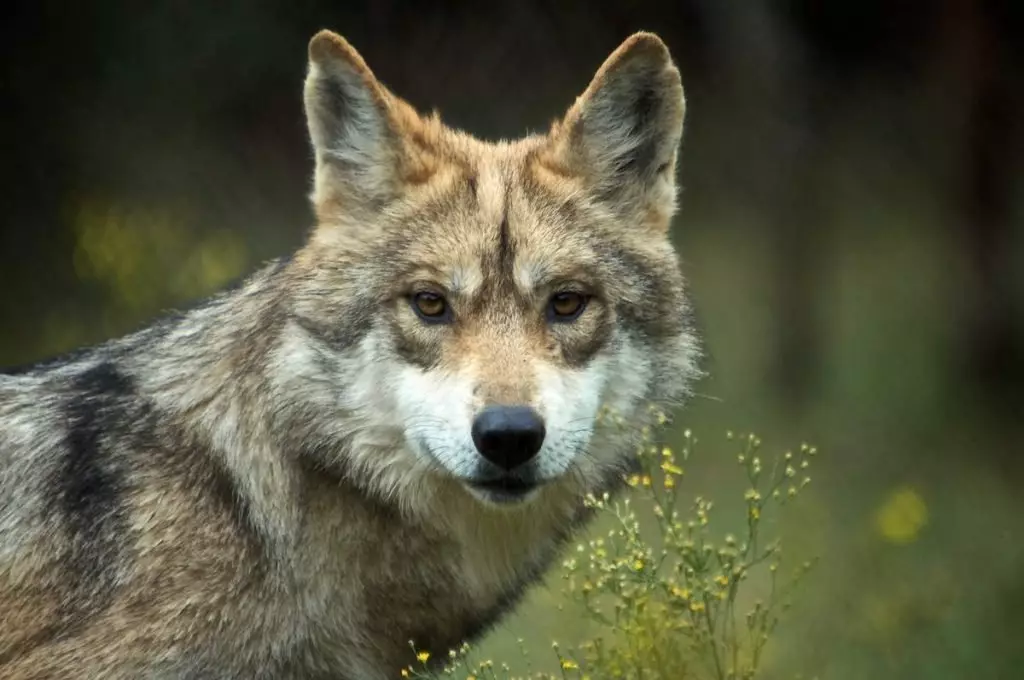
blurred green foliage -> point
(139, 262)
(125, 250)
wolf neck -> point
(205, 371)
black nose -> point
(508, 436)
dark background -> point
(851, 227)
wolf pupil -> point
(430, 306)
(566, 306)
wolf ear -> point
(623, 132)
(357, 127)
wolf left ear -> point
(623, 132)
(359, 132)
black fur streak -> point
(506, 254)
(90, 501)
(498, 269)
(92, 485)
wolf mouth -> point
(506, 489)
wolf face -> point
(474, 306)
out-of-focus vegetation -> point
(851, 228)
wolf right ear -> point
(623, 133)
(358, 130)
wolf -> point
(386, 436)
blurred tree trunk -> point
(973, 45)
(775, 79)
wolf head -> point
(465, 310)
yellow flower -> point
(722, 580)
(670, 482)
(423, 656)
(405, 672)
(671, 468)
(681, 593)
(697, 607)
(902, 516)
(569, 664)
(646, 480)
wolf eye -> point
(566, 306)
(431, 307)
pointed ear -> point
(623, 133)
(357, 127)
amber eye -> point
(431, 307)
(566, 306)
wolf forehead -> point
(525, 236)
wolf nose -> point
(508, 436)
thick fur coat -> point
(290, 480)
